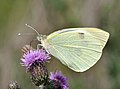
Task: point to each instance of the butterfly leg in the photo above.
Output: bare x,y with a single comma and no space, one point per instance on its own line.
47,51
39,46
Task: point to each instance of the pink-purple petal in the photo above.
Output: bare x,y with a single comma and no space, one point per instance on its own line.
34,55
58,76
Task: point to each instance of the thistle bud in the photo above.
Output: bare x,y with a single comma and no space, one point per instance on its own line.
13,85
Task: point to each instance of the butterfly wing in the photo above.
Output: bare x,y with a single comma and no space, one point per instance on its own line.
78,48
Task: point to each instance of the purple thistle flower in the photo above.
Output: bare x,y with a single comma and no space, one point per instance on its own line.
34,56
59,80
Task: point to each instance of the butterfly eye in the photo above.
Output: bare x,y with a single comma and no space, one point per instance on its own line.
39,38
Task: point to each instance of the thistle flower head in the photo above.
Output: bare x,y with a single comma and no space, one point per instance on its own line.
33,57
59,81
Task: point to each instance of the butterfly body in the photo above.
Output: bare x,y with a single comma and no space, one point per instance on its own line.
77,48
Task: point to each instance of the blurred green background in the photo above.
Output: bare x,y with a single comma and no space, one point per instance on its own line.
51,15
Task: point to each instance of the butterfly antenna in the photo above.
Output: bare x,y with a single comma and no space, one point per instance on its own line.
33,29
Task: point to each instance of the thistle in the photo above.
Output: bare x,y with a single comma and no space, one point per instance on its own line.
34,62
57,81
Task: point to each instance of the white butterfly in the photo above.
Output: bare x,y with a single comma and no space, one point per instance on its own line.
77,48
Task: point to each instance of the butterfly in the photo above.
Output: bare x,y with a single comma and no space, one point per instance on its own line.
77,48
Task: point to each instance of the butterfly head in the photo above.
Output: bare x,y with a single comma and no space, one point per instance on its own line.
41,37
